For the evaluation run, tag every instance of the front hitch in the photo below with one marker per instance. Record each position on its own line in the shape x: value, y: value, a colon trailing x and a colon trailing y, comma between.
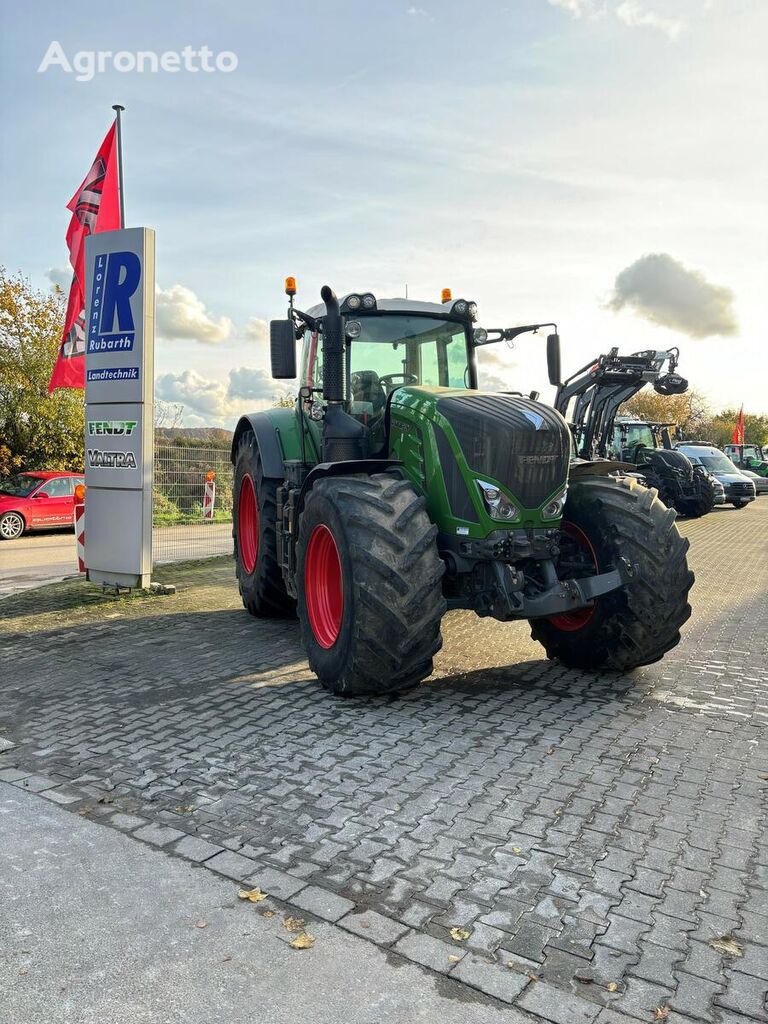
x: 559, y: 597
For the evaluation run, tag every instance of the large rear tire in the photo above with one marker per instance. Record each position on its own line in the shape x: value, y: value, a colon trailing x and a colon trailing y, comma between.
x: 369, y: 585
x: 637, y: 625
x: 254, y: 520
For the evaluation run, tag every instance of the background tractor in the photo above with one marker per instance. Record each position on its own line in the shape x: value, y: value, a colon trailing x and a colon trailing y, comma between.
x: 396, y: 490
x: 753, y: 457
x: 590, y: 399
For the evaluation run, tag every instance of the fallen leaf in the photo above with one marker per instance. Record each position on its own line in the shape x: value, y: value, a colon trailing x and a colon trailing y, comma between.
x: 550, y: 751
x: 459, y: 934
x: 763, y: 776
x: 267, y: 913
x: 85, y: 810
x: 185, y: 809
x: 454, y: 959
x: 612, y: 986
x: 201, y: 924
x: 531, y: 975
x: 293, y: 924
x: 105, y: 800
x: 727, y: 945
x: 225, y: 958
x: 558, y: 812
x: 253, y: 895
x: 661, y: 1013
x: 516, y: 849
x: 23, y: 971
x: 303, y: 941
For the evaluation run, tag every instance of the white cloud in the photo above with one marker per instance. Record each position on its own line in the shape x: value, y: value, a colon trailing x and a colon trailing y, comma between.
x: 60, y: 277
x: 659, y: 288
x: 251, y: 384
x: 631, y: 13
x: 211, y: 402
x: 257, y: 330
x: 634, y: 15
x: 182, y: 315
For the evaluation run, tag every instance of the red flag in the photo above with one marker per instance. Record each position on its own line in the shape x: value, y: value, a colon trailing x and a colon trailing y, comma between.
x: 95, y: 207
x: 738, y: 431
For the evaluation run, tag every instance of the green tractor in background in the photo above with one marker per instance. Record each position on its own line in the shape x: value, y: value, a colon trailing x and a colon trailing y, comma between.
x: 753, y: 457
x: 396, y: 490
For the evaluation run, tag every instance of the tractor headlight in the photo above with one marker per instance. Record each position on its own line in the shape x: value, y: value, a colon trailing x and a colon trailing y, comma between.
x: 554, y: 509
x: 480, y: 335
x: 472, y: 309
x: 369, y: 301
x: 353, y: 302
x: 497, y: 505
x: 460, y: 307
x: 353, y: 329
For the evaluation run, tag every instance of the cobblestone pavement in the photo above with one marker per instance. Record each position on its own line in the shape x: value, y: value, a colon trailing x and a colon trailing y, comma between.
x: 591, y: 836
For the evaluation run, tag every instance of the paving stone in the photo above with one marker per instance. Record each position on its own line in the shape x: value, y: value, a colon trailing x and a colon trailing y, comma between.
x: 60, y: 796
x: 555, y: 1005
x: 695, y: 996
x: 626, y: 796
x: 747, y: 995
x: 127, y: 822
x: 322, y: 903
x: 277, y: 883
x: 35, y: 783
x: 233, y: 865
x: 640, y: 998
x: 494, y: 979
x: 195, y: 849
x: 158, y: 835
x: 429, y: 951
x: 5, y: 745
x: 373, y: 926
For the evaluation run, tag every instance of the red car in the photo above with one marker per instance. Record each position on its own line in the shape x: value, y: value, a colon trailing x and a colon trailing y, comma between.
x: 37, y: 501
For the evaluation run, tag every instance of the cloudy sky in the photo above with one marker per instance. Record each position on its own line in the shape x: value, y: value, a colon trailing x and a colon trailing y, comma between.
x: 600, y: 163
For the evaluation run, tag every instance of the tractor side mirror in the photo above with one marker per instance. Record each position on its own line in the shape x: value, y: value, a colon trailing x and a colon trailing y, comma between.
x: 282, y: 349
x: 553, y: 359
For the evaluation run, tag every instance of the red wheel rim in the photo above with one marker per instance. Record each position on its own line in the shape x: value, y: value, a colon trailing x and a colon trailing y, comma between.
x: 322, y: 586
x: 579, y: 617
x: 248, y: 524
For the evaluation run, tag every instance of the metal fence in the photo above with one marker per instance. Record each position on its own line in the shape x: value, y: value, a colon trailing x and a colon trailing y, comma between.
x: 180, y: 530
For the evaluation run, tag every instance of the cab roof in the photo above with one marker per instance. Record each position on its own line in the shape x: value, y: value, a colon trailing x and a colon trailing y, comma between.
x: 441, y: 309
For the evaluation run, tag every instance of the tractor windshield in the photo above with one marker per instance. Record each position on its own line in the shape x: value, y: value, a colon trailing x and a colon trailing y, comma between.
x: 397, y: 349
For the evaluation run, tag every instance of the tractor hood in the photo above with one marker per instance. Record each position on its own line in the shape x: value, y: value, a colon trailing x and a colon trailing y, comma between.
x: 523, y: 445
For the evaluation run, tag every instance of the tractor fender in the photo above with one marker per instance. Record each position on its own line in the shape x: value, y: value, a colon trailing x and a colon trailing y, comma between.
x: 325, y: 469
x: 267, y: 441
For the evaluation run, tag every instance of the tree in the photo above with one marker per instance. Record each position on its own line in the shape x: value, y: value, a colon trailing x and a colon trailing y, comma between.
x: 690, y: 410
x: 719, y: 428
x: 39, y: 431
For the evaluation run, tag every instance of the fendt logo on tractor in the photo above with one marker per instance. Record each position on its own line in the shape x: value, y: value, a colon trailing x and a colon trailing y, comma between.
x: 396, y: 489
x: 116, y: 278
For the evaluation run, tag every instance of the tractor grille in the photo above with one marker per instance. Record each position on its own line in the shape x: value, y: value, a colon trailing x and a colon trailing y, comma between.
x: 522, y: 444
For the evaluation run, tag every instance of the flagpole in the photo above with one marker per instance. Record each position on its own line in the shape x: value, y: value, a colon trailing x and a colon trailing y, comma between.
x: 118, y: 111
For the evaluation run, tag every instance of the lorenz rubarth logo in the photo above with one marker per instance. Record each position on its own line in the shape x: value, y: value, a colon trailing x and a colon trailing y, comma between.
x: 85, y: 64
x: 112, y: 427
x: 116, y: 277
x: 111, y: 460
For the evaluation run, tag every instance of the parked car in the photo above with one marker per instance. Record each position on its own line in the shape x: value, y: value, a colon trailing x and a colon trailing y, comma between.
x: 37, y: 501
x: 760, y: 482
x: 739, y: 489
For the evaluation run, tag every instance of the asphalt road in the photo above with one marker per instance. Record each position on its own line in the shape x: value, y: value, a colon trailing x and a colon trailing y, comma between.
x: 46, y: 557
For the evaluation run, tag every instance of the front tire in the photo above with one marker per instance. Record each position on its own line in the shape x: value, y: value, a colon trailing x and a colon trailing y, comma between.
x: 369, y: 585
x: 254, y: 531
x: 639, y: 623
x: 11, y: 525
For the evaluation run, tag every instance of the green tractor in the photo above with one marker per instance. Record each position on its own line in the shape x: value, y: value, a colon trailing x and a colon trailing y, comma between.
x: 395, y: 490
x: 753, y: 457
